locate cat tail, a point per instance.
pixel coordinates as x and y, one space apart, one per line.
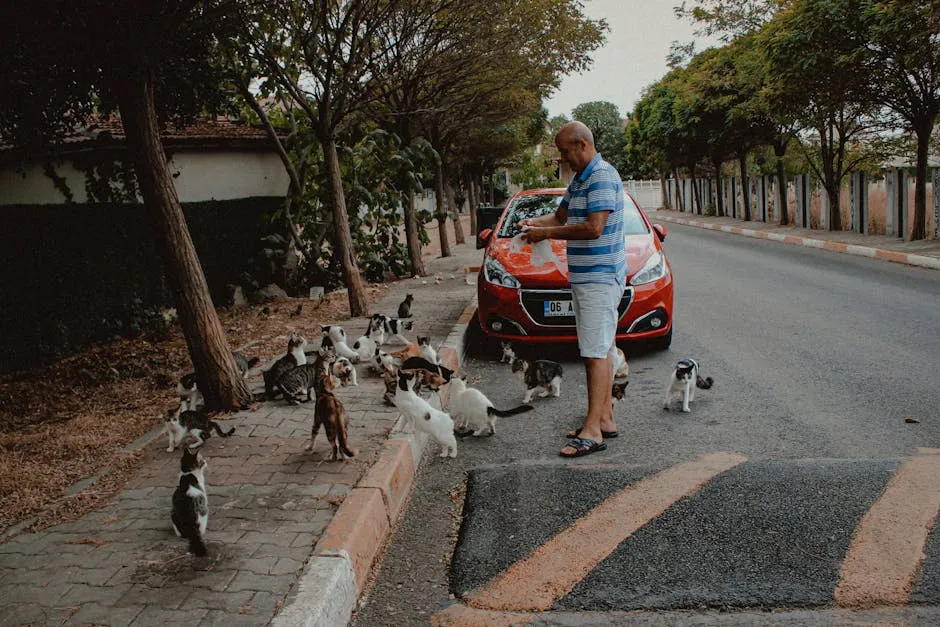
503 413
197 546
705 383
343 446
254 361
218 430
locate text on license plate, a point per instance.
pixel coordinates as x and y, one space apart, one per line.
559 308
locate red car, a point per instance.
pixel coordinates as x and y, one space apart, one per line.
527 304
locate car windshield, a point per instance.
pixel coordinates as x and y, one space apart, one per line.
539 205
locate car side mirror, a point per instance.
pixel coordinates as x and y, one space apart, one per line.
660 232
485 235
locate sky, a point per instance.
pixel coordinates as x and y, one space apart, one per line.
634 56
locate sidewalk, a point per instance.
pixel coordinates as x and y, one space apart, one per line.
923 253
289 532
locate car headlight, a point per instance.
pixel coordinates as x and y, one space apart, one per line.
654 269
494 272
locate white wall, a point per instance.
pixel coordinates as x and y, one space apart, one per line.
202 176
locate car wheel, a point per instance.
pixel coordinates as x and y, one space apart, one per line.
662 343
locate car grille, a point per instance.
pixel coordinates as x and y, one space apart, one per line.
533 302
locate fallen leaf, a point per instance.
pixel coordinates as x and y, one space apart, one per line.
87 540
911 420
245 609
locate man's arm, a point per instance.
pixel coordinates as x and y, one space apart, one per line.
592 228
558 218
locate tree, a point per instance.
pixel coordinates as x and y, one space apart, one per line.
905 50
151 61
603 118
728 19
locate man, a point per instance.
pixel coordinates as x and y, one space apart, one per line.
590 218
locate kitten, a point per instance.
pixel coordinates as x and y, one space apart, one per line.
178 423
295 357
305 380
426 350
620 365
244 364
188 389
391 326
404 309
436 423
540 373
473 411
683 380
618 390
335 419
509 355
334 331
190 513
345 372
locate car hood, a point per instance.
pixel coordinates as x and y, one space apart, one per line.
638 247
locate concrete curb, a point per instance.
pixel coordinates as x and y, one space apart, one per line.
334 577
910 259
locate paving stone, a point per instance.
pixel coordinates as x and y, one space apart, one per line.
167 597
259 565
90 576
275 584
28 614
215 618
81 593
155 617
339 490
297 553
98 614
305 540
259 537
214 580
309 527
224 601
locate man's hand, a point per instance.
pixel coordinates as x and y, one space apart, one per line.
533 234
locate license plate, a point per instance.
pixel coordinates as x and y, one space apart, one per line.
559 308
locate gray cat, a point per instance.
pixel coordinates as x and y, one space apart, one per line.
539 374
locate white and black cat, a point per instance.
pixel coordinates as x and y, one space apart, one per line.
179 423
365 348
188 389
404 309
334 331
391 326
509 355
473 411
295 357
541 374
683 380
620 365
339 347
436 423
190 514
426 350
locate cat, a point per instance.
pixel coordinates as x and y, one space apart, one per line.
509 355
188 389
618 390
310 379
617 393
334 331
410 350
473 411
436 423
190 514
404 309
426 350
620 365
383 362
391 326
683 380
295 357
365 348
339 346
333 416
244 364
431 375
540 373
179 423
345 372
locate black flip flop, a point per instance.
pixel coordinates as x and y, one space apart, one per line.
583 446
607 435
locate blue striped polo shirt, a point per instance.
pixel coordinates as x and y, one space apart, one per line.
603 260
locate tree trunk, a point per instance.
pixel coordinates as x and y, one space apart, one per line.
919 226
441 209
492 189
216 373
471 202
697 193
783 208
745 186
679 199
720 196
835 211
663 193
358 305
459 236
411 237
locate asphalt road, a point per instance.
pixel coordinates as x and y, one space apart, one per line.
818 359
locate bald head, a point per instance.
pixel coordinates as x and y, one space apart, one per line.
576 132
575 143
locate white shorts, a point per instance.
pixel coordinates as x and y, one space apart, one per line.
595 312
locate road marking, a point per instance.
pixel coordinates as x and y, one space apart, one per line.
554 569
888 547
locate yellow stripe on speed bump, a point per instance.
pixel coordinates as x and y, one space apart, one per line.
555 568
888 547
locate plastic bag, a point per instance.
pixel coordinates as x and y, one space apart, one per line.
541 251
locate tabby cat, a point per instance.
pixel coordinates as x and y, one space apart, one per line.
295 357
